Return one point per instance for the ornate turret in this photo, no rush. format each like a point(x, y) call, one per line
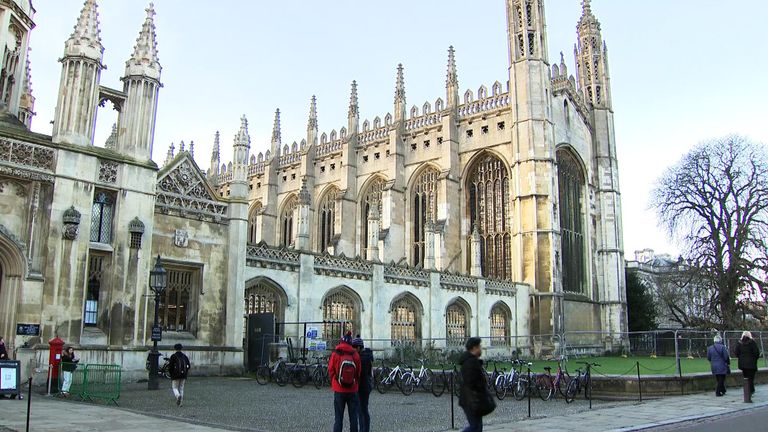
point(354, 110)
point(452, 80)
point(400, 94)
point(526, 30)
point(241, 148)
point(141, 84)
point(214, 170)
point(312, 123)
point(111, 142)
point(170, 155)
point(276, 137)
point(27, 101)
point(591, 60)
point(75, 116)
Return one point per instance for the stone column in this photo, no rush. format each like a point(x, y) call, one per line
point(429, 245)
point(302, 233)
point(476, 267)
point(372, 249)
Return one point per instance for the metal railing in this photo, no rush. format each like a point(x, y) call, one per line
point(93, 381)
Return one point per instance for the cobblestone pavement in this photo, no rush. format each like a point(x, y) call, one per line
point(242, 404)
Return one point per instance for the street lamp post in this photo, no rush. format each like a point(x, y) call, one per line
point(158, 280)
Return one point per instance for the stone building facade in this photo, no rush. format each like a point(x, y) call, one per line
point(493, 212)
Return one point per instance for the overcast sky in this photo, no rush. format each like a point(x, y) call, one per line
point(681, 71)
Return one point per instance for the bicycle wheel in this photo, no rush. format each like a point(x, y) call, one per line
point(588, 388)
point(280, 375)
point(262, 375)
point(572, 390)
point(298, 377)
point(500, 386)
point(545, 387)
point(426, 380)
point(562, 384)
point(457, 382)
point(520, 389)
point(438, 384)
point(317, 377)
point(383, 382)
point(407, 383)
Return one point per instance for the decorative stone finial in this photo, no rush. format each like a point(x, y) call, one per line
point(400, 84)
point(145, 51)
point(276, 138)
point(242, 138)
point(312, 125)
point(111, 142)
point(136, 226)
point(354, 109)
point(87, 28)
point(169, 157)
point(452, 79)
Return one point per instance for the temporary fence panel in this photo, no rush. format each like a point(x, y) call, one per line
point(77, 386)
point(102, 382)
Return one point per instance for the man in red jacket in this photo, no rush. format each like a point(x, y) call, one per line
point(344, 368)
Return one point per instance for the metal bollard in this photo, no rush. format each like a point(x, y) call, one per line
point(747, 391)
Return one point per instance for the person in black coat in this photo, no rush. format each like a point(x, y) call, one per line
point(474, 398)
point(747, 352)
point(179, 369)
point(366, 383)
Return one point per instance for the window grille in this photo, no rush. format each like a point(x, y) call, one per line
point(339, 307)
point(499, 326)
point(101, 218)
point(93, 290)
point(406, 321)
point(176, 309)
point(456, 322)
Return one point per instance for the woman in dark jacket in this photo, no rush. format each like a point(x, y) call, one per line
point(719, 360)
point(747, 352)
point(474, 397)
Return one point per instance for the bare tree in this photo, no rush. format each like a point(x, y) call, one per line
point(714, 201)
point(685, 298)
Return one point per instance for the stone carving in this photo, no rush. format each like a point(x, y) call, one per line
point(25, 154)
point(181, 238)
point(500, 287)
point(264, 256)
point(25, 174)
point(71, 220)
point(21, 189)
point(108, 172)
point(342, 266)
point(458, 282)
point(182, 191)
point(404, 275)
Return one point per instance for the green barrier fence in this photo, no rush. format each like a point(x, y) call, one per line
point(94, 381)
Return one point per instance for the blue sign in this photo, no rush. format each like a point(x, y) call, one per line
point(157, 334)
point(312, 333)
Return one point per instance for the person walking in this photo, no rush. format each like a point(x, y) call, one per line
point(474, 398)
point(720, 363)
point(366, 383)
point(747, 352)
point(178, 366)
point(345, 369)
point(69, 362)
point(3, 349)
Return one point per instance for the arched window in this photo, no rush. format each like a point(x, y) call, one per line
point(253, 227)
point(326, 225)
point(457, 316)
point(500, 323)
point(287, 221)
point(571, 185)
point(423, 208)
point(488, 207)
point(263, 297)
point(371, 196)
point(341, 312)
point(406, 320)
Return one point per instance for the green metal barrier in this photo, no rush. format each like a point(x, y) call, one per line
point(94, 381)
point(77, 386)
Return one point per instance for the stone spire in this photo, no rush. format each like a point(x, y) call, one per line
point(312, 122)
point(276, 137)
point(591, 59)
point(241, 147)
point(400, 94)
point(81, 67)
point(452, 80)
point(85, 40)
point(169, 156)
point(27, 100)
point(111, 142)
point(305, 200)
point(192, 149)
point(214, 170)
point(354, 107)
point(144, 60)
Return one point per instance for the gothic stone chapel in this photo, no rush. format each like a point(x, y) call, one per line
point(494, 212)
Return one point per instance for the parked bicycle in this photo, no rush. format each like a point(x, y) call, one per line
point(507, 381)
point(164, 370)
point(548, 386)
point(388, 377)
point(582, 381)
point(299, 373)
point(319, 374)
point(447, 379)
point(525, 382)
point(423, 379)
point(276, 372)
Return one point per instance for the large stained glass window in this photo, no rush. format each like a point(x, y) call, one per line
point(571, 185)
point(423, 208)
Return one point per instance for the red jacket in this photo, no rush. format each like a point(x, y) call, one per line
point(335, 363)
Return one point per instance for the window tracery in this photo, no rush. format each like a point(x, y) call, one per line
point(423, 209)
point(571, 185)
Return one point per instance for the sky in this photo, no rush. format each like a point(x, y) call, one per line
point(682, 71)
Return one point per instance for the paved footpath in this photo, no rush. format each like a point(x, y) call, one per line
point(646, 415)
point(49, 414)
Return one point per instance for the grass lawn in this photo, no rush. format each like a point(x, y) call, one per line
point(624, 366)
